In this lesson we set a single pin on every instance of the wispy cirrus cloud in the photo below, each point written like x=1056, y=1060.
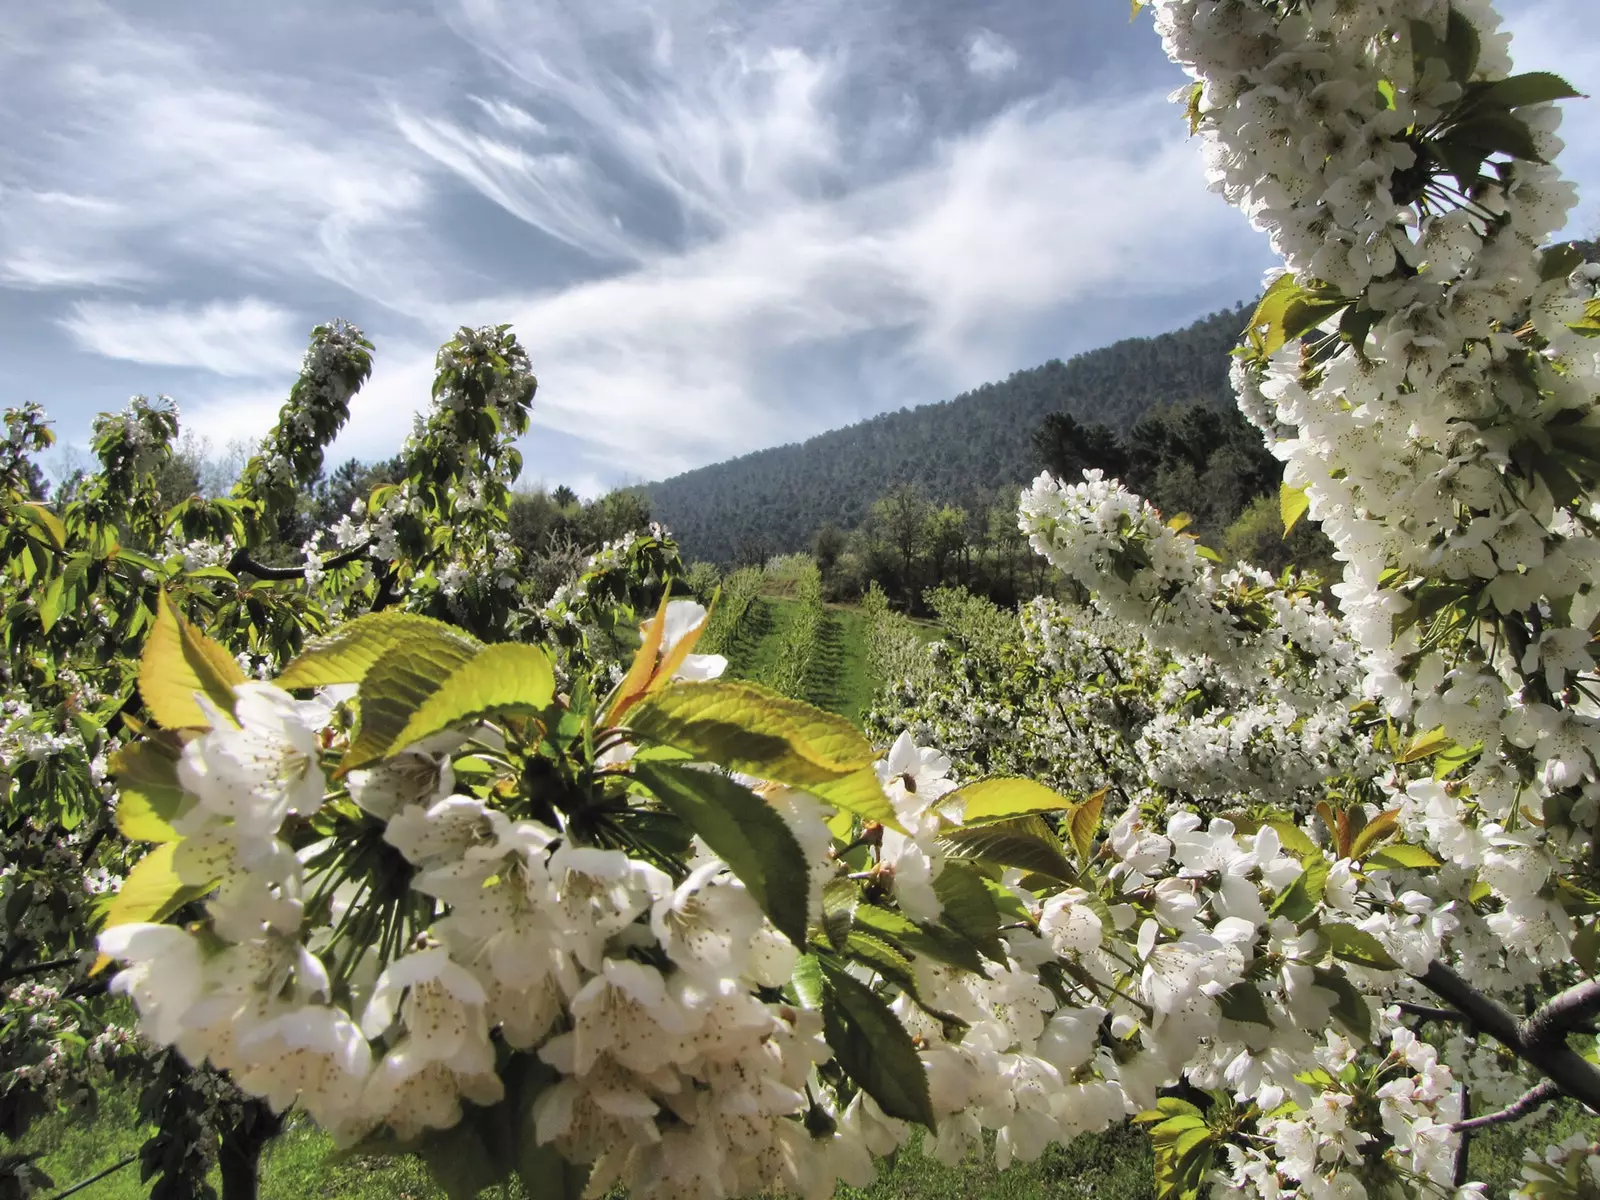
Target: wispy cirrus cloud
x=717, y=224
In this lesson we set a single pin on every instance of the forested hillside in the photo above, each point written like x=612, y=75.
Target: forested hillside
x=959, y=450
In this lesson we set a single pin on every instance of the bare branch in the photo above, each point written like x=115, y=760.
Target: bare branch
x=1563, y=1013
x=41, y=968
x=242, y=564
x=1541, y=1093
x=1427, y=1012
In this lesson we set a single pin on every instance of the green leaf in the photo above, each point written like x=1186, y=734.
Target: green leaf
x=152, y=891
x=1534, y=87
x=807, y=980
x=148, y=793
x=346, y=655
x=930, y=941
x=969, y=909
x=45, y=521
x=745, y=832
x=989, y=799
x=883, y=958
x=1293, y=503
x=1026, y=843
x=1242, y=1002
x=1384, y=825
x=1287, y=311
x=179, y=661
x=1350, y=1008
x=860, y=793
x=1300, y=899
x=1424, y=745
x=1454, y=758
x=1398, y=856
x=1494, y=133
x=1359, y=947
x=874, y=1048
x=395, y=687
x=511, y=677
x=1559, y=261
x=749, y=729
x=840, y=897
x=1192, y=110
x=1586, y=948
x=1085, y=823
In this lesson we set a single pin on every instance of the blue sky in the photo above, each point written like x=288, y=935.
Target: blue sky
x=716, y=226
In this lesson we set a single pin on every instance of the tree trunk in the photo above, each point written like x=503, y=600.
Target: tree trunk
x=239, y=1154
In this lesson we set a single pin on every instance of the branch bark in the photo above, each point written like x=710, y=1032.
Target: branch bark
x=1541, y=1093
x=37, y=969
x=1540, y=1041
x=242, y=564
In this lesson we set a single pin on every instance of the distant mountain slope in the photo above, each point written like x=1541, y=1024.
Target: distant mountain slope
x=957, y=450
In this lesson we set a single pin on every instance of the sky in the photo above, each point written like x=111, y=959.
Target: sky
x=715, y=226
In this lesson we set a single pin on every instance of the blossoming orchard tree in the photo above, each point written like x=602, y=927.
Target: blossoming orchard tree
x=527, y=892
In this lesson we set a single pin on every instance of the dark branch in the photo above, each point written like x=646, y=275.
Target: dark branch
x=36, y=969
x=1541, y=1093
x=1563, y=1013
x=1427, y=1012
x=1540, y=1042
x=242, y=564
x=111, y=1170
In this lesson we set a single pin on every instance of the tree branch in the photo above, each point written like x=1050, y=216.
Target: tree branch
x=241, y=563
x=1541, y=1093
x=1563, y=1013
x=1546, y=1048
x=1427, y=1012
x=36, y=969
x=111, y=1170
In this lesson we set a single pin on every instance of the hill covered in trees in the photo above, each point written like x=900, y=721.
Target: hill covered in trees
x=959, y=451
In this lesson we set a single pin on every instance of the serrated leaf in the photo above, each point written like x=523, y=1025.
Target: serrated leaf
x=747, y=728
x=1287, y=311
x=1085, y=823
x=874, y=1048
x=1350, y=1008
x=807, y=979
x=1293, y=503
x=929, y=941
x=1534, y=87
x=969, y=909
x=511, y=677
x=1000, y=797
x=148, y=793
x=859, y=793
x=1495, y=133
x=1398, y=856
x=1242, y=1002
x=346, y=655
x=1358, y=946
x=179, y=661
x=1559, y=261
x=840, y=897
x=745, y=832
x=882, y=957
x=395, y=687
x=45, y=521
x=1026, y=843
x=152, y=891
x=1384, y=825
x=1300, y=899
x=1454, y=758
x=1424, y=745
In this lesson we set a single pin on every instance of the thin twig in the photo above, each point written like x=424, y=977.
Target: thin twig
x=1427, y=1012
x=36, y=969
x=78, y=1187
x=1541, y=1093
x=241, y=563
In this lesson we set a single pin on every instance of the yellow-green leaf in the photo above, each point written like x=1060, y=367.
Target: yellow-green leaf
x=1293, y=503
x=1085, y=823
x=993, y=799
x=503, y=678
x=148, y=792
x=1384, y=825
x=1400, y=855
x=346, y=655
x=1425, y=745
x=1026, y=843
x=859, y=793
x=395, y=687
x=152, y=891
x=45, y=521
x=749, y=729
x=1359, y=947
x=179, y=661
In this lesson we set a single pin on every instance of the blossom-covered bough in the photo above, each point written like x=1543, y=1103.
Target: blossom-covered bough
x=530, y=889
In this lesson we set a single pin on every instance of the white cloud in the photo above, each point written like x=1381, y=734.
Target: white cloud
x=248, y=337
x=989, y=55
